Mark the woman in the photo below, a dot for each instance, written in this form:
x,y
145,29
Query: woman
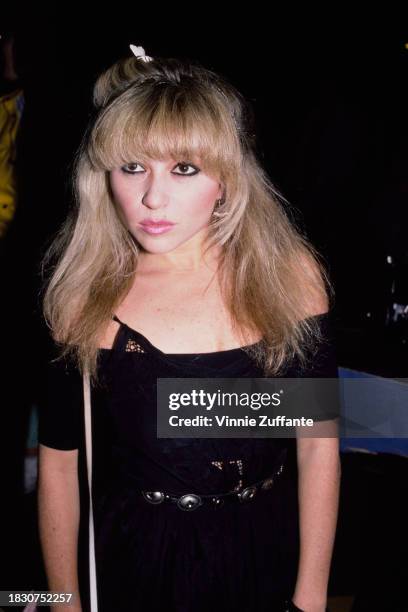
x,y
180,261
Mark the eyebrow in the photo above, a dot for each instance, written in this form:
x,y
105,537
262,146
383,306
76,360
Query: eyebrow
x,y
184,159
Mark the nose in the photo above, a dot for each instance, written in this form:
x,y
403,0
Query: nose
x,y
156,193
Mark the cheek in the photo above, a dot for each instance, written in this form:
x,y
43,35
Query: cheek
x,y
202,204
126,207
124,200
203,207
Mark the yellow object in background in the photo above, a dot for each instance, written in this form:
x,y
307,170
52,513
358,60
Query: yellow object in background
x,y
11,108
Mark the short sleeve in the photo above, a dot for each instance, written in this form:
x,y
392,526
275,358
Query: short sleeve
x,y
320,400
324,363
61,408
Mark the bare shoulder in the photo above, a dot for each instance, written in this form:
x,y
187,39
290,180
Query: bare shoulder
x,y
318,305
316,298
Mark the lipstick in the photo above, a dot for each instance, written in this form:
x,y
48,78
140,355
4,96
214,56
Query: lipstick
x,y
156,227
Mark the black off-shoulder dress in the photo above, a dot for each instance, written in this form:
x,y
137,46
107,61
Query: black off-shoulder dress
x,y
233,558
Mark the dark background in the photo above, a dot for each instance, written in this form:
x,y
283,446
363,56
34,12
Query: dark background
x,y
329,90
330,97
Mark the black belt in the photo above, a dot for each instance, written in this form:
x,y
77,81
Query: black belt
x,y
191,501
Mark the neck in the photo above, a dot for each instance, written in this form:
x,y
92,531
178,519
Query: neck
x,y
188,258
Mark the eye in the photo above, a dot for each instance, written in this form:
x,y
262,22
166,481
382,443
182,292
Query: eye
x,y
129,168
184,165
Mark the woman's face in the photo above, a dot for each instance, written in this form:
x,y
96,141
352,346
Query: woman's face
x,y
172,191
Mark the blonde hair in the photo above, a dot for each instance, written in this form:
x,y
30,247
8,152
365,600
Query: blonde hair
x,y
271,276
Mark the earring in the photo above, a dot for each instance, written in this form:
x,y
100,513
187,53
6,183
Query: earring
x,y
218,204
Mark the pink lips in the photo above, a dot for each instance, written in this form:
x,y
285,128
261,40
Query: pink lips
x,y
159,227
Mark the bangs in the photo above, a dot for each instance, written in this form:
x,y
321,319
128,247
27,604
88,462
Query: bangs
x,y
168,123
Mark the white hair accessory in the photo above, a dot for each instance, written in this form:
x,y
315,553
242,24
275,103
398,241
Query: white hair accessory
x,y
139,52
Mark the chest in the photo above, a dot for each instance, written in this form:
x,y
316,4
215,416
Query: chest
x,y
180,315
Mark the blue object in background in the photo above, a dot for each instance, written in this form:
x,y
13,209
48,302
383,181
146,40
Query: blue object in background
x,y
389,444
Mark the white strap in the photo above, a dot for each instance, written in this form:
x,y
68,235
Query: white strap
x,y
88,444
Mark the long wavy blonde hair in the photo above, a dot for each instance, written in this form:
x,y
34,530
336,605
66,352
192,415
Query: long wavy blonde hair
x,y
271,276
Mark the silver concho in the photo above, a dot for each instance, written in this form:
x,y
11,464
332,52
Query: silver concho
x,y
190,501
247,493
153,497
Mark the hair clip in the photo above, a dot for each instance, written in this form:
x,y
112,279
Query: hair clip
x,y
139,52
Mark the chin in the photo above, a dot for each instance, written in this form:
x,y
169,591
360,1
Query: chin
x,y
159,246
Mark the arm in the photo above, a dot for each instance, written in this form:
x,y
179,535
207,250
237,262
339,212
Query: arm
x,y
319,471
58,516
